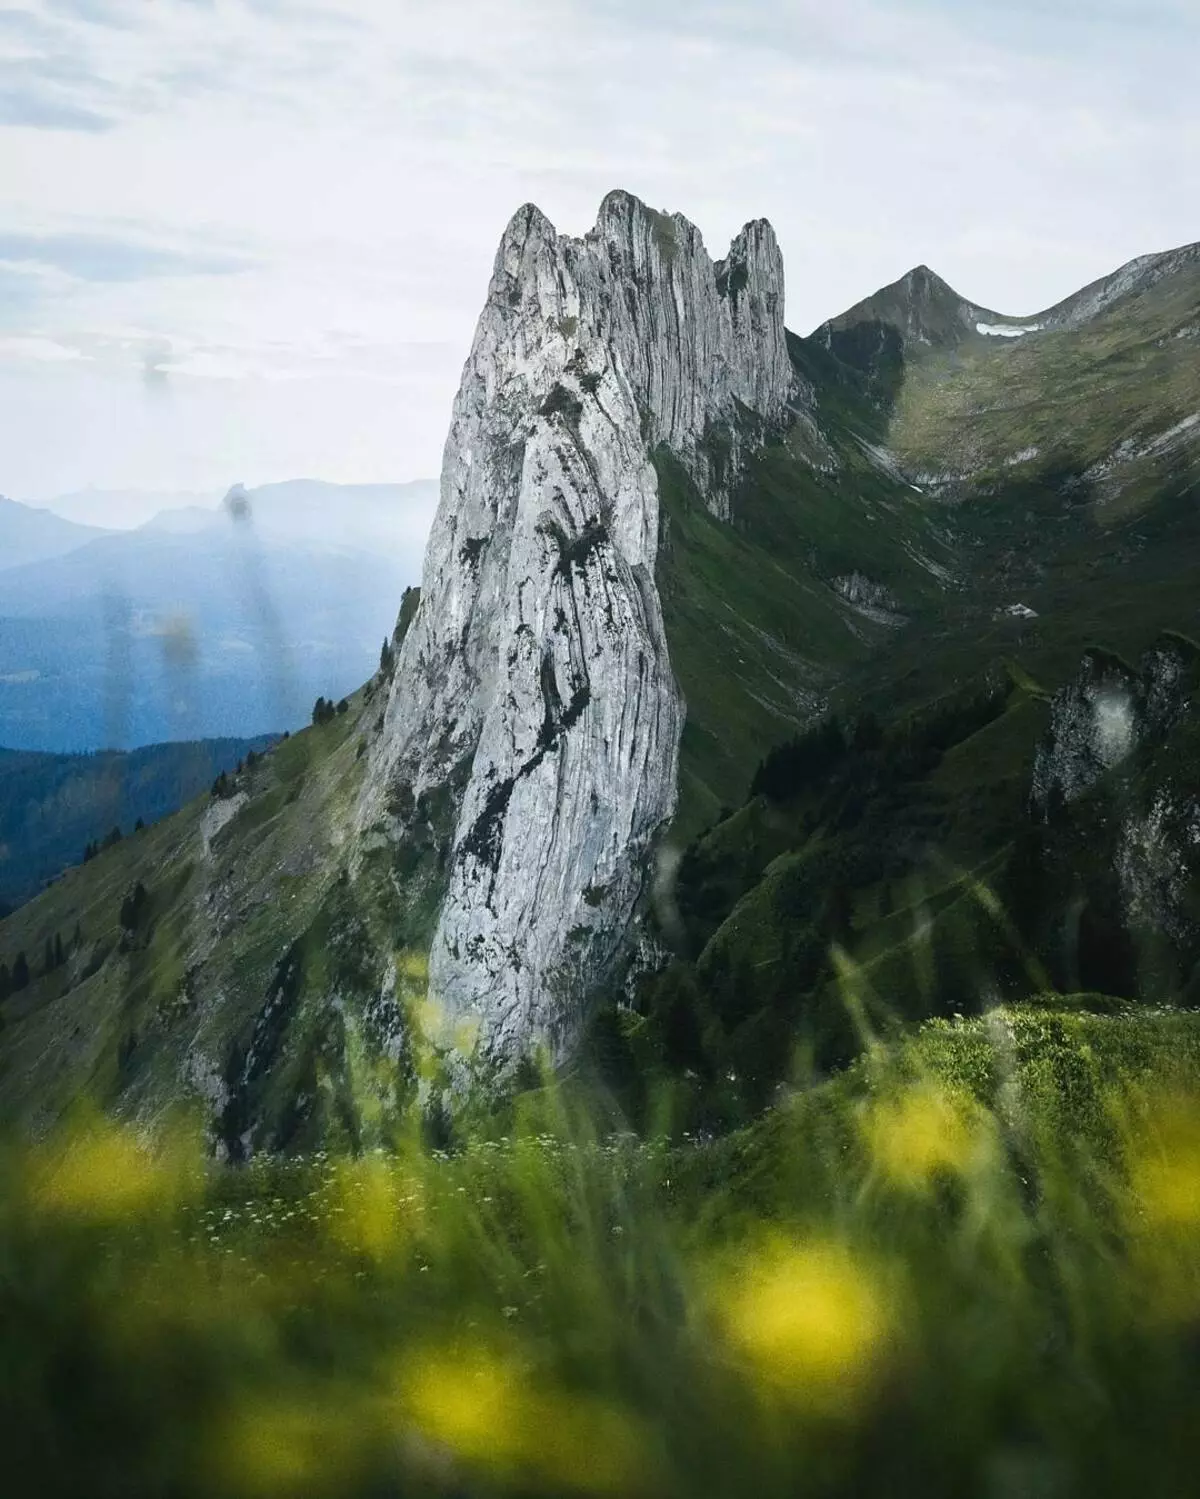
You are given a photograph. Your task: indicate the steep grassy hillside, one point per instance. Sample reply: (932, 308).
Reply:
(828, 556)
(199, 988)
(884, 870)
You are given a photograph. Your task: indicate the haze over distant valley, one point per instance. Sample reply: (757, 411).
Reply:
(207, 620)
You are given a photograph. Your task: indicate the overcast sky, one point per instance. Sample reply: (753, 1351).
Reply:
(248, 239)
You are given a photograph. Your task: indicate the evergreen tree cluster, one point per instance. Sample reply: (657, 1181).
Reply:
(12, 982)
(910, 748)
(54, 956)
(807, 760)
(101, 845)
(325, 711)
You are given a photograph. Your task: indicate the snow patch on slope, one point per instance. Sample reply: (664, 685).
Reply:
(1006, 330)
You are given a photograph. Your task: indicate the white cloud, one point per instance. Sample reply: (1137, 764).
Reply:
(350, 166)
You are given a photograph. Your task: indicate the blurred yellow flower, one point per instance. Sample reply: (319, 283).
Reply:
(1164, 1165)
(1163, 1157)
(287, 1447)
(808, 1316)
(485, 1411)
(103, 1174)
(466, 1405)
(364, 1213)
(920, 1134)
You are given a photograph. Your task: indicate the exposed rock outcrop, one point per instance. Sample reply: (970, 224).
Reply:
(533, 701)
(1116, 781)
(1105, 713)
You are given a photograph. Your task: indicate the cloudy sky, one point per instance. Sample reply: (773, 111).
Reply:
(248, 239)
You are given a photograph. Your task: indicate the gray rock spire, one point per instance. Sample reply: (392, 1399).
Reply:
(533, 694)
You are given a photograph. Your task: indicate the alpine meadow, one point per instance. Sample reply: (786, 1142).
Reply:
(717, 1011)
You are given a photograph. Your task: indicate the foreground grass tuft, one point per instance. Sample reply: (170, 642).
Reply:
(969, 1266)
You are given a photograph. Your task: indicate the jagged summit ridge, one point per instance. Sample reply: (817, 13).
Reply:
(701, 346)
(533, 696)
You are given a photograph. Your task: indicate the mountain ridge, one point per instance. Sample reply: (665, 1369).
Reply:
(857, 663)
(31, 534)
(921, 286)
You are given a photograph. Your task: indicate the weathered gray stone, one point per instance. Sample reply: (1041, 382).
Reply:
(534, 687)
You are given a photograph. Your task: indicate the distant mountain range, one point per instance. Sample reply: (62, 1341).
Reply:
(203, 622)
(29, 535)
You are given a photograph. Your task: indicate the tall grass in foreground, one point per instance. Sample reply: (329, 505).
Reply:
(970, 1268)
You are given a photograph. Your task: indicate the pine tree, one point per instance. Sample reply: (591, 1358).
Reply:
(60, 956)
(5, 982)
(20, 973)
(48, 957)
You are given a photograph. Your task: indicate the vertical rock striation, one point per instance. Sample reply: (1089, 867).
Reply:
(533, 695)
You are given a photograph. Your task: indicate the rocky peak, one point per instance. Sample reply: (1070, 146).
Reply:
(533, 722)
(701, 346)
(921, 308)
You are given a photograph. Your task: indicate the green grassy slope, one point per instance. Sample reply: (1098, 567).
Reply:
(154, 1004)
(1104, 395)
(759, 632)
(886, 869)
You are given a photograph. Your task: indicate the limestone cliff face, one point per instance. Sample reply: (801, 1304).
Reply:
(533, 695)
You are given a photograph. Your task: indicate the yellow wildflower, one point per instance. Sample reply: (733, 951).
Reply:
(807, 1316)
